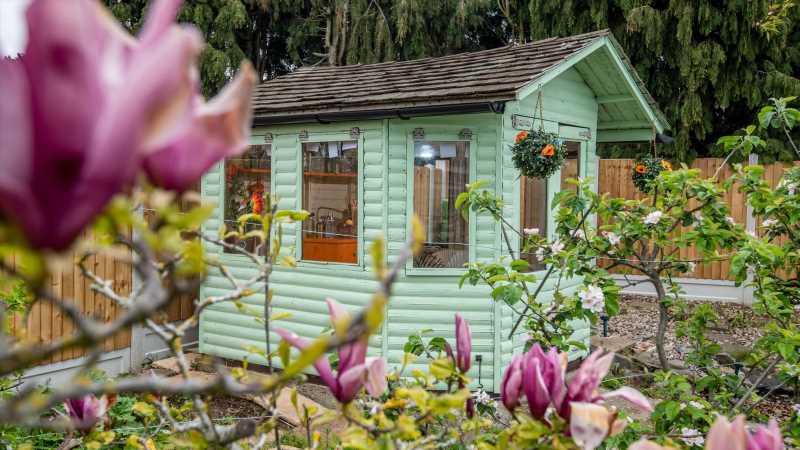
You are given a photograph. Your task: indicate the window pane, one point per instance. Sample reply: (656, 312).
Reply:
(533, 215)
(247, 179)
(441, 172)
(571, 165)
(330, 194)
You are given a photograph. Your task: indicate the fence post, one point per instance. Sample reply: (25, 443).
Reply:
(138, 336)
(750, 227)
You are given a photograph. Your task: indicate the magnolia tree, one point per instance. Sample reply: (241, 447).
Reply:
(96, 123)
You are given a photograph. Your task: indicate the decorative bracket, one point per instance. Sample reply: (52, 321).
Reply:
(586, 134)
(268, 138)
(465, 134)
(419, 134)
(303, 136)
(355, 132)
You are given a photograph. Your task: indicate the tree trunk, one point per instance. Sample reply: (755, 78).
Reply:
(663, 321)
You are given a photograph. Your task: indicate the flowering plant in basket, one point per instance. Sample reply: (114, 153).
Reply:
(538, 154)
(647, 169)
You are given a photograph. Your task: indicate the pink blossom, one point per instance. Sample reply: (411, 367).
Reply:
(543, 379)
(511, 385)
(218, 129)
(725, 435)
(590, 424)
(463, 344)
(86, 411)
(584, 386)
(87, 102)
(354, 371)
(766, 437)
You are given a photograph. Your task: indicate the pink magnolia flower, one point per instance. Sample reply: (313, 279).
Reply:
(583, 387)
(355, 369)
(734, 436)
(543, 379)
(511, 385)
(590, 424)
(86, 411)
(725, 435)
(463, 344)
(86, 102)
(218, 129)
(644, 444)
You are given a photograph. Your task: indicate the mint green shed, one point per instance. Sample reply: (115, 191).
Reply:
(365, 147)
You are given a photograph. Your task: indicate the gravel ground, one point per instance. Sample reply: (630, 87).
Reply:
(738, 327)
(638, 318)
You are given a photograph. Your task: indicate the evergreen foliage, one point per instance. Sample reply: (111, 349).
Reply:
(708, 63)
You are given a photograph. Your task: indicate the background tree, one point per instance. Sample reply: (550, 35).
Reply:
(708, 63)
(234, 30)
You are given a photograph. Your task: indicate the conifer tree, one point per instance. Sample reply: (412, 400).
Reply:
(233, 30)
(708, 63)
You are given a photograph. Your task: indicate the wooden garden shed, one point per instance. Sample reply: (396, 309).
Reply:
(364, 147)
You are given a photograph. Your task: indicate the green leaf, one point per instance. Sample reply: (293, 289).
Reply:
(442, 368)
(307, 357)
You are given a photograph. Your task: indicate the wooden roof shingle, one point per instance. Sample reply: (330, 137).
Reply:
(476, 77)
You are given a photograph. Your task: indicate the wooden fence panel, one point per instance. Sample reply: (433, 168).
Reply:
(45, 323)
(614, 178)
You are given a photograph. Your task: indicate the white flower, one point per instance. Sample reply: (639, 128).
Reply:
(698, 216)
(769, 222)
(730, 220)
(579, 234)
(792, 188)
(692, 266)
(696, 404)
(530, 231)
(612, 237)
(482, 398)
(796, 408)
(653, 218)
(539, 254)
(556, 246)
(592, 298)
(692, 436)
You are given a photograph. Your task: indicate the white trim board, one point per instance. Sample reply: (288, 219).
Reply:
(113, 363)
(695, 289)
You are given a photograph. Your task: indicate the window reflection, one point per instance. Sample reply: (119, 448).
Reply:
(441, 172)
(330, 194)
(247, 185)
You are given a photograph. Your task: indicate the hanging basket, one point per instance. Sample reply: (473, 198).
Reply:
(538, 154)
(646, 170)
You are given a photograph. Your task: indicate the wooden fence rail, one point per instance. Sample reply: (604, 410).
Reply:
(44, 323)
(614, 178)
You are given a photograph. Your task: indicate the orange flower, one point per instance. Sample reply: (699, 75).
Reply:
(666, 165)
(521, 135)
(548, 150)
(641, 168)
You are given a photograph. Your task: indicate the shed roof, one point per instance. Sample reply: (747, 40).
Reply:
(481, 77)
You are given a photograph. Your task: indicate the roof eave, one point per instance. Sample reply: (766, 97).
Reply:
(635, 83)
(493, 105)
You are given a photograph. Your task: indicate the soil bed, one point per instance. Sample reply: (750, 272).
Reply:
(738, 327)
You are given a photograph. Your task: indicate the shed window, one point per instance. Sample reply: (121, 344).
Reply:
(441, 172)
(247, 180)
(330, 194)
